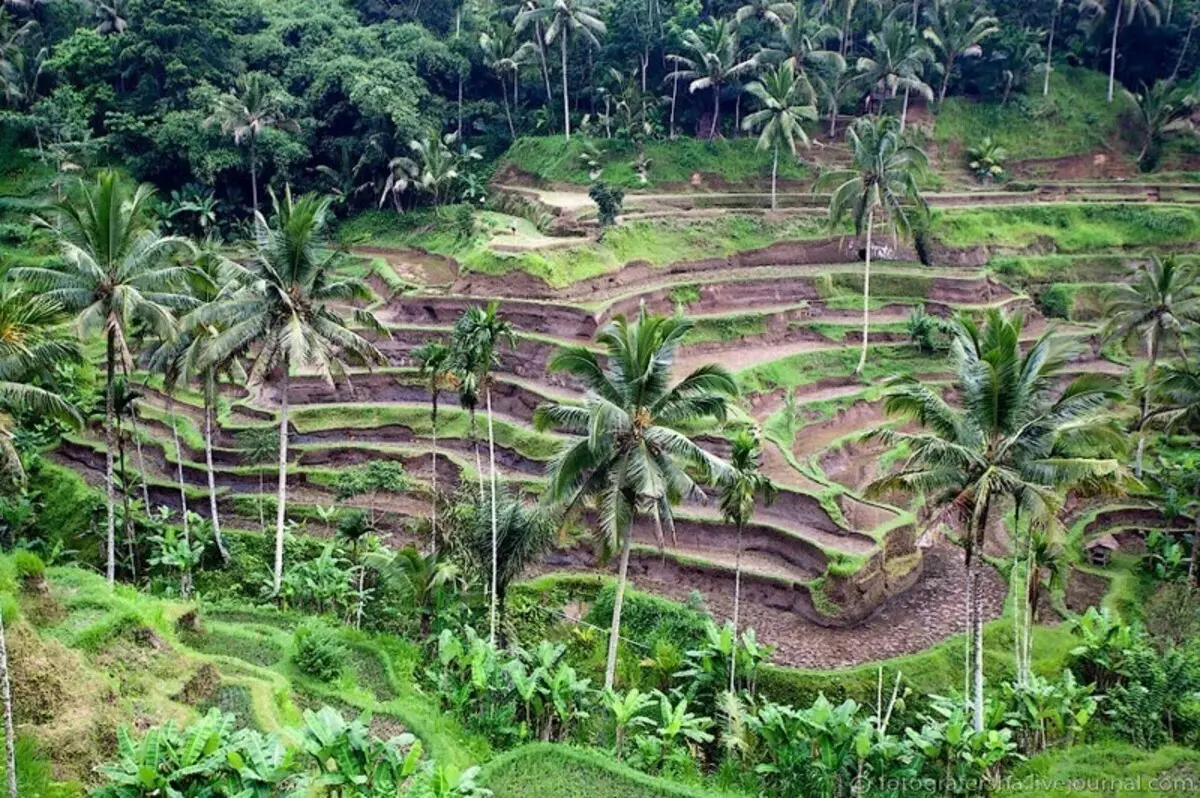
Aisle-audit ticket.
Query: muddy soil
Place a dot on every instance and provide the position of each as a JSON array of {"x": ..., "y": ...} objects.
[
  {"x": 559, "y": 321},
  {"x": 508, "y": 459}
]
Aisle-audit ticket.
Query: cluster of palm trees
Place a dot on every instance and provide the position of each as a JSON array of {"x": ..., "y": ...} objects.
[{"x": 195, "y": 316}]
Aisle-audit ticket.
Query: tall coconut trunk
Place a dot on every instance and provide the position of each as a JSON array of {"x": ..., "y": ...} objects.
[
  {"x": 183, "y": 507},
  {"x": 904, "y": 110},
  {"x": 512, "y": 131},
  {"x": 774, "y": 175},
  {"x": 562, "y": 43},
  {"x": 737, "y": 606},
  {"x": 614, "y": 632},
  {"x": 1192, "y": 570},
  {"x": 281, "y": 496},
  {"x": 110, "y": 444},
  {"x": 866, "y": 325},
  {"x": 126, "y": 528},
  {"x": 945, "y": 80},
  {"x": 1152, "y": 345},
  {"x": 209, "y": 400},
  {"x": 492, "y": 474},
  {"x": 1187, "y": 42},
  {"x": 10, "y": 751},
  {"x": 433, "y": 416},
  {"x": 716, "y": 115},
  {"x": 541, "y": 48},
  {"x": 254, "y": 173},
  {"x": 975, "y": 580},
  {"x": 457, "y": 33},
  {"x": 674, "y": 94},
  {"x": 475, "y": 446},
  {"x": 1049, "y": 52},
  {"x": 1112, "y": 55}
]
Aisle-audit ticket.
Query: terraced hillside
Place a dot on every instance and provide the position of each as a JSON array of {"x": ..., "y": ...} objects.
[{"x": 831, "y": 577}]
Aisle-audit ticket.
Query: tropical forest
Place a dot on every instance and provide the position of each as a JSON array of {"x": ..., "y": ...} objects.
[{"x": 599, "y": 398}]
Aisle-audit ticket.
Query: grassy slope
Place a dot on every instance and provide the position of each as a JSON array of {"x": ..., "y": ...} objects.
[
  {"x": 553, "y": 159},
  {"x": 1075, "y": 118},
  {"x": 1073, "y": 228}
]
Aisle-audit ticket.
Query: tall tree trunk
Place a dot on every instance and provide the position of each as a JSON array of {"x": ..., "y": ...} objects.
[
  {"x": 210, "y": 399},
  {"x": 904, "y": 110},
  {"x": 183, "y": 506},
  {"x": 1152, "y": 345},
  {"x": 737, "y": 112},
  {"x": 541, "y": 48},
  {"x": 774, "y": 174},
  {"x": 562, "y": 43},
  {"x": 977, "y": 646},
  {"x": 492, "y": 473},
  {"x": 512, "y": 131},
  {"x": 945, "y": 80},
  {"x": 1049, "y": 52},
  {"x": 1192, "y": 569},
  {"x": 716, "y": 122},
  {"x": 281, "y": 496},
  {"x": 10, "y": 742},
  {"x": 866, "y": 329},
  {"x": 110, "y": 571},
  {"x": 434, "y": 516},
  {"x": 457, "y": 33},
  {"x": 126, "y": 528},
  {"x": 737, "y": 606},
  {"x": 614, "y": 632},
  {"x": 1112, "y": 55},
  {"x": 254, "y": 172},
  {"x": 1193, "y": 18},
  {"x": 262, "y": 500},
  {"x": 478, "y": 460},
  {"x": 674, "y": 94}
]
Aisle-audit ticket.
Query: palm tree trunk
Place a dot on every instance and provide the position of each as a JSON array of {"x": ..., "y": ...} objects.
[
  {"x": 10, "y": 751},
  {"x": 674, "y": 94},
  {"x": 562, "y": 42},
  {"x": 183, "y": 507},
  {"x": 866, "y": 329},
  {"x": 281, "y": 496},
  {"x": 254, "y": 173},
  {"x": 541, "y": 48},
  {"x": 475, "y": 446},
  {"x": 1112, "y": 55},
  {"x": 904, "y": 110},
  {"x": 457, "y": 33},
  {"x": 737, "y": 605},
  {"x": 1141, "y": 445},
  {"x": 434, "y": 515},
  {"x": 945, "y": 80},
  {"x": 1187, "y": 42},
  {"x": 774, "y": 173},
  {"x": 716, "y": 125},
  {"x": 209, "y": 401},
  {"x": 1049, "y": 53},
  {"x": 1192, "y": 570},
  {"x": 126, "y": 528},
  {"x": 492, "y": 473},
  {"x": 262, "y": 498},
  {"x": 110, "y": 443},
  {"x": 977, "y": 644},
  {"x": 614, "y": 632},
  {"x": 737, "y": 112},
  {"x": 512, "y": 131}
]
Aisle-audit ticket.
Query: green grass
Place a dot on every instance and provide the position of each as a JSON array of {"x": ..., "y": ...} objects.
[
  {"x": 737, "y": 161},
  {"x": 559, "y": 771},
  {"x": 1075, "y": 118},
  {"x": 1072, "y": 228},
  {"x": 1105, "y": 769},
  {"x": 808, "y": 368}
]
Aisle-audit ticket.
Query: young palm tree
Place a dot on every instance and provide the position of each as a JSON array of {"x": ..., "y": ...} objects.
[
  {"x": 245, "y": 113},
  {"x": 259, "y": 446},
  {"x": 1121, "y": 12},
  {"x": 633, "y": 455},
  {"x": 419, "y": 577},
  {"x": 899, "y": 57},
  {"x": 1161, "y": 109},
  {"x": 478, "y": 335},
  {"x": 780, "y": 119},
  {"x": 284, "y": 317},
  {"x": 1154, "y": 304},
  {"x": 505, "y": 54},
  {"x": 741, "y": 489},
  {"x": 115, "y": 273},
  {"x": 437, "y": 366},
  {"x": 881, "y": 183},
  {"x": 713, "y": 62},
  {"x": 565, "y": 19},
  {"x": 1015, "y": 439},
  {"x": 955, "y": 31}
]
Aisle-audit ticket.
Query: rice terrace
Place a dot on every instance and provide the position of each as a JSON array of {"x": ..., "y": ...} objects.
[{"x": 609, "y": 399}]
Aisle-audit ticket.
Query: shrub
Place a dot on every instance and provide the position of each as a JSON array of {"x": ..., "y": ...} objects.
[
  {"x": 319, "y": 653},
  {"x": 1056, "y": 301},
  {"x": 608, "y": 203},
  {"x": 29, "y": 566}
]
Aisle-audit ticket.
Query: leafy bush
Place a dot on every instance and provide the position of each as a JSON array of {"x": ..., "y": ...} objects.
[
  {"x": 1056, "y": 301},
  {"x": 29, "y": 566},
  {"x": 608, "y": 203},
  {"x": 319, "y": 652}
]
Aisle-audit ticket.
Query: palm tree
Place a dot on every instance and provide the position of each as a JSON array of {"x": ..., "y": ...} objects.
[
  {"x": 801, "y": 42},
  {"x": 1162, "y": 108},
  {"x": 114, "y": 273},
  {"x": 437, "y": 366},
  {"x": 955, "y": 31},
  {"x": 882, "y": 181},
  {"x": 835, "y": 80},
  {"x": 285, "y": 318},
  {"x": 434, "y": 167},
  {"x": 504, "y": 54},
  {"x": 1048, "y": 67},
  {"x": 419, "y": 577},
  {"x": 773, "y": 12},
  {"x": 714, "y": 62},
  {"x": 477, "y": 338},
  {"x": 741, "y": 489},
  {"x": 780, "y": 120},
  {"x": 1154, "y": 304},
  {"x": 245, "y": 113},
  {"x": 898, "y": 60},
  {"x": 1015, "y": 438},
  {"x": 1121, "y": 12},
  {"x": 564, "y": 19},
  {"x": 633, "y": 455},
  {"x": 1177, "y": 389},
  {"x": 112, "y": 17},
  {"x": 259, "y": 446}
]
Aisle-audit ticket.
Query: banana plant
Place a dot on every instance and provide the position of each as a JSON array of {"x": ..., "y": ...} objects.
[
  {"x": 569, "y": 697},
  {"x": 627, "y": 714},
  {"x": 262, "y": 763},
  {"x": 531, "y": 690},
  {"x": 351, "y": 762},
  {"x": 168, "y": 760}
]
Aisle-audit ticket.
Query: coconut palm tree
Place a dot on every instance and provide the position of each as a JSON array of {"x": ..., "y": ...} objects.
[
  {"x": 881, "y": 185},
  {"x": 563, "y": 20},
  {"x": 111, "y": 16},
  {"x": 1161, "y": 109},
  {"x": 1016, "y": 438},
  {"x": 284, "y": 317},
  {"x": 742, "y": 487},
  {"x": 835, "y": 81},
  {"x": 955, "y": 31},
  {"x": 478, "y": 334},
  {"x": 633, "y": 456},
  {"x": 1048, "y": 67},
  {"x": 245, "y": 112},
  {"x": 772, "y": 12},
  {"x": 115, "y": 272},
  {"x": 1154, "y": 304},
  {"x": 898, "y": 60},
  {"x": 437, "y": 366},
  {"x": 505, "y": 54},
  {"x": 419, "y": 577},
  {"x": 801, "y": 42},
  {"x": 1121, "y": 12},
  {"x": 713, "y": 62},
  {"x": 779, "y": 122}
]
